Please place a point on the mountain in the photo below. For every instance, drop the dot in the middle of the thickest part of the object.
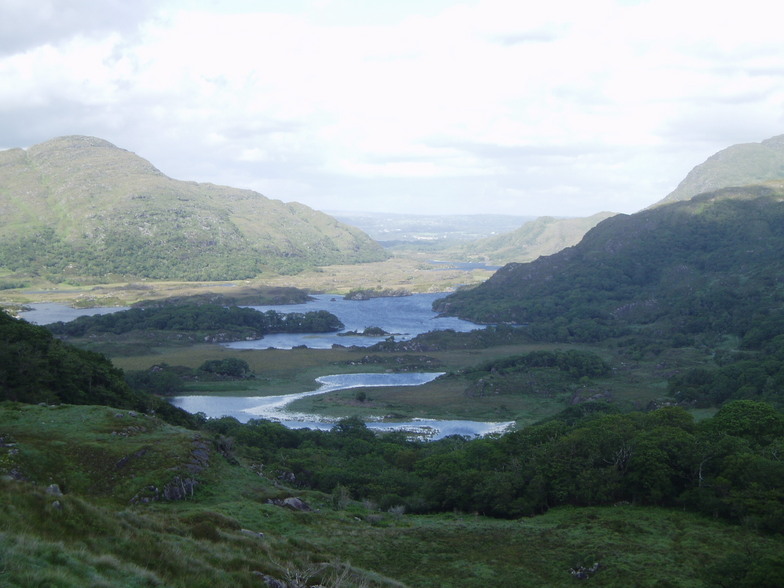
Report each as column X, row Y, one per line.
column 426, row 229
column 738, row 165
column 712, row 264
column 543, row 236
column 80, row 207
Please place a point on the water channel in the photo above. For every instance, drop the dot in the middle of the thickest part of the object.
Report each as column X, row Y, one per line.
column 274, row 407
column 403, row 317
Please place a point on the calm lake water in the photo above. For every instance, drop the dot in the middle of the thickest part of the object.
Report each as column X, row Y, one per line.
column 45, row 313
column 274, row 407
column 404, row 317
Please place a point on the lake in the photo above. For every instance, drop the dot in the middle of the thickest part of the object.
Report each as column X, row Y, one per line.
column 404, row 317
column 274, row 407
column 45, row 313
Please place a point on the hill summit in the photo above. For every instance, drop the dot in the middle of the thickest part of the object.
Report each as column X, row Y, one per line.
column 738, row 165
column 80, row 207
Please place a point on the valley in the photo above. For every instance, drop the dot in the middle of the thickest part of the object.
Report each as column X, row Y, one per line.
column 640, row 371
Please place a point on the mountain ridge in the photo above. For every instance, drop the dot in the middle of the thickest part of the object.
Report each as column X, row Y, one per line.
column 742, row 164
column 544, row 235
column 100, row 209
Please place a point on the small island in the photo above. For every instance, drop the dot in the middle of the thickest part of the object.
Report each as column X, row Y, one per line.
column 368, row 332
column 368, row 293
column 211, row 323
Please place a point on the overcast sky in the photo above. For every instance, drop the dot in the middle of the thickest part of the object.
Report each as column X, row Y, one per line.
column 564, row 107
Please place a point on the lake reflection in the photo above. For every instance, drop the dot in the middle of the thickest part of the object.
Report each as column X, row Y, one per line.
column 244, row 408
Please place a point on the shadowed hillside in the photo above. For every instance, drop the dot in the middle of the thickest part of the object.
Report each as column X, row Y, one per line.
column 710, row 264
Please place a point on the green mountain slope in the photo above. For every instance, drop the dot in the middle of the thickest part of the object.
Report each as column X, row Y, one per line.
column 543, row 236
column 738, row 165
column 79, row 206
column 714, row 263
column 35, row 367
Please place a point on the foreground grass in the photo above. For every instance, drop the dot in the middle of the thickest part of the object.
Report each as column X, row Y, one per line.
column 228, row 534
column 229, row 540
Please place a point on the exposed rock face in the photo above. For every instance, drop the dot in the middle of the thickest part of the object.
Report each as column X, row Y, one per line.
column 180, row 487
column 291, row 502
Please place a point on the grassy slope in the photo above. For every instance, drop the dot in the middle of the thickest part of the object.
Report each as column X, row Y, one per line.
column 91, row 537
column 737, row 165
column 113, row 212
column 543, row 236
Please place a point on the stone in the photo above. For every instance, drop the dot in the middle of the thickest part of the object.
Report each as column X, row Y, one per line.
column 54, row 490
column 291, row 502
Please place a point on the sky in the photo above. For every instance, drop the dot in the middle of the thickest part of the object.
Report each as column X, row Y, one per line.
column 562, row 108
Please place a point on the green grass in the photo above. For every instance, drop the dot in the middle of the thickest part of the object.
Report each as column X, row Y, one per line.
column 201, row 543
column 107, row 453
column 441, row 400
column 89, row 538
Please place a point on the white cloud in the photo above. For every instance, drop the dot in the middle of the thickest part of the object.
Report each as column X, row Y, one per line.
column 564, row 107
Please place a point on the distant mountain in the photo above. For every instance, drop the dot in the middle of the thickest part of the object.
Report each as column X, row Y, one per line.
column 399, row 228
column 712, row 264
column 738, row 165
column 79, row 207
column 543, row 236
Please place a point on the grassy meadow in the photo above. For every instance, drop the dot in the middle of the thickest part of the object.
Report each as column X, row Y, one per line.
column 413, row 272
column 632, row 385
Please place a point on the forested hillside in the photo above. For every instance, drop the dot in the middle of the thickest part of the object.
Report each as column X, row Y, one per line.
column 79, row 208
column 35, row 367
column 713, row 265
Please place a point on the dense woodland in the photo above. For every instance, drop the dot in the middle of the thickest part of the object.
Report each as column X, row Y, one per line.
column 728, row 466
column 685, row 273
column 35, row 367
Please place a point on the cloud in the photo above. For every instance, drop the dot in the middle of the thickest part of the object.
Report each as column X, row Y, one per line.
column 562, row 108
column 25, row 25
